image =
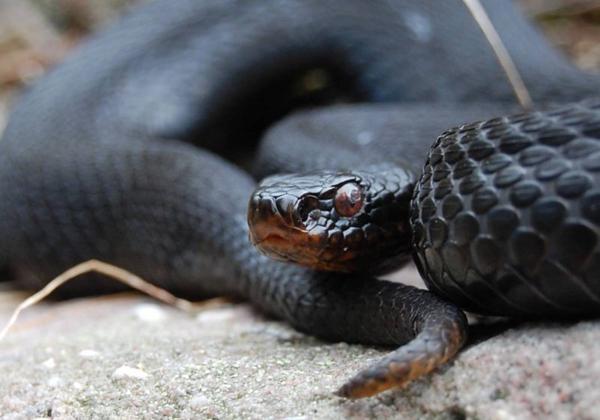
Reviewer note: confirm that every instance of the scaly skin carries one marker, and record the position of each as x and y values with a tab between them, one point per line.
297	218
506	214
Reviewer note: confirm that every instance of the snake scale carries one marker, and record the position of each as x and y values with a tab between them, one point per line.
132	152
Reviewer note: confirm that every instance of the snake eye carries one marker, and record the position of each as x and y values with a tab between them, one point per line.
348	200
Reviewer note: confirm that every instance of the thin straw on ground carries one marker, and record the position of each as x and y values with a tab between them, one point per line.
508	65
117	273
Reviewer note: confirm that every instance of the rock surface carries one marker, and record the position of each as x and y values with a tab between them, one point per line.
127	357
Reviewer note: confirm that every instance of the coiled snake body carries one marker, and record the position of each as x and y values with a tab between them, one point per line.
99	160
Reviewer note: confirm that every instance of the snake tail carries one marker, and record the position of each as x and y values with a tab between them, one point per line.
440	334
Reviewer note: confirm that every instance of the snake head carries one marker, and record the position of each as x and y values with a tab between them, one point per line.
335	220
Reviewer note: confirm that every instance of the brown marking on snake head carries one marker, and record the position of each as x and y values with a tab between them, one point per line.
284	244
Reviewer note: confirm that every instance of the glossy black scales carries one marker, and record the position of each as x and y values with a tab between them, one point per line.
506	215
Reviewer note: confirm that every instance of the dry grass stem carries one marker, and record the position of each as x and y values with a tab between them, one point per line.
508	65
117	273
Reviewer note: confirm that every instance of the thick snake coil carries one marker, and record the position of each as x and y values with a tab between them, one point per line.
506	215
110	156
505	220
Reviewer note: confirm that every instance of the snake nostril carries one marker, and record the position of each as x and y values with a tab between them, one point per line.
314	214
307	208
265	207
285	207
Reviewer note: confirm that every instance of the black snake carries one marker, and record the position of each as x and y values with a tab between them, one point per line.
100	160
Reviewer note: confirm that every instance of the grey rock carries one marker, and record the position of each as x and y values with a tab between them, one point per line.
230	362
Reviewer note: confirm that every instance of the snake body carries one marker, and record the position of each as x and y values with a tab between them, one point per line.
100	159
506	214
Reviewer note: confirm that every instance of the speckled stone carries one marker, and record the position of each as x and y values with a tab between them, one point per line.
230	362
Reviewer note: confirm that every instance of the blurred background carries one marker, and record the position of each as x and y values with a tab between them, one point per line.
36	34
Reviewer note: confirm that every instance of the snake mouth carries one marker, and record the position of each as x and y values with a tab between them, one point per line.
298	248
274	245
277	247
272	237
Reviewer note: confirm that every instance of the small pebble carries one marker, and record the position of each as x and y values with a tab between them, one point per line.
126	372
149	312
217	315
55	382
89	354
199	401
49	364
504	415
